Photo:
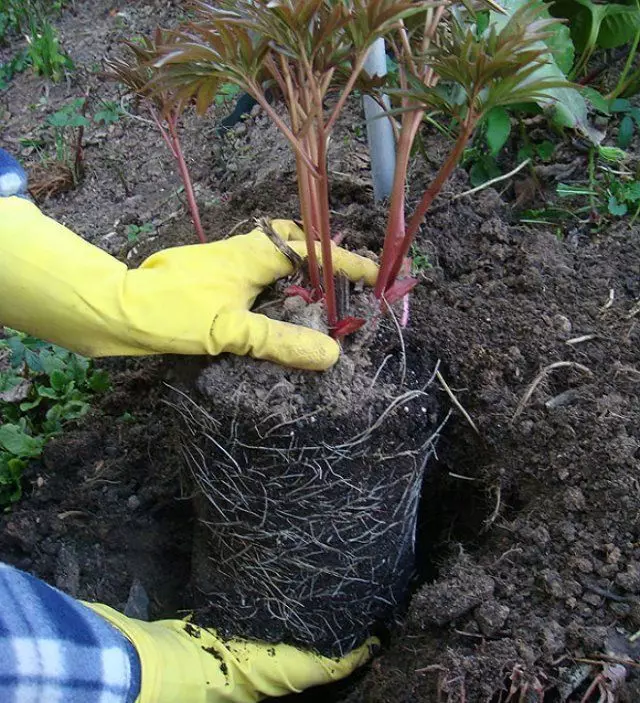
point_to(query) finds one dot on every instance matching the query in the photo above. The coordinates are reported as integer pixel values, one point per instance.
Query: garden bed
(528, 542)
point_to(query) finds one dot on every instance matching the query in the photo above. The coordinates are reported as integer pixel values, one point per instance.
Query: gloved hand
(190, 664)
(187, 300)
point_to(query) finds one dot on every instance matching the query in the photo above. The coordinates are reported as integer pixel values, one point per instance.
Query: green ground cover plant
(43, 388)
(134, 231)
(32, 19)
(67, 125)
(590, 27)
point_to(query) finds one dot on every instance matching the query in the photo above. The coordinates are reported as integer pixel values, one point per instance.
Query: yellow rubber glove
(186, 663)
(187, 300)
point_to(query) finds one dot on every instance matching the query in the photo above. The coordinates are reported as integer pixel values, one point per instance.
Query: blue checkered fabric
(53, 649)
(13, 179)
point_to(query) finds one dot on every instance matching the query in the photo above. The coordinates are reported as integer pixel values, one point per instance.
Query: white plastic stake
(382, 148)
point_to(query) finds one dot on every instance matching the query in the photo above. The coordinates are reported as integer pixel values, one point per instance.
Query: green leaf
(613, 154)
(604, 25)
(525, 152)
(99, 381)
(561, 46)
(545, 150)
(8, 380)
(565, 190)
(33, 361)
(620, 105)
(631, 191)
(619, 25)
(483, 170)
(625, 132)
(52, 360)
(78, 121)
(482, 22)
(615, 208)
(46, 392)
(226, 92)
(565, 106)
(58, 119)
(596, 99)
(11, 470)
(17, 349)
(30, 405)
(59, 380)
(73, 410)
(19, 443)
(77, 368)
(498, 128)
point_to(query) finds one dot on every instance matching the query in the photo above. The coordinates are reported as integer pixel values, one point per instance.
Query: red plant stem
(432, 192)
(305, 180)
(396, 224)
(163, 131)
(325, 231)
(186, 177)
(79, 158)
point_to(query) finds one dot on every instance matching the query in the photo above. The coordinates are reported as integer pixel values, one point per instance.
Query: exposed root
(403, 350)
(456, 402)
(496, 510)
(540, 377)
(299, 539)
(49, 179)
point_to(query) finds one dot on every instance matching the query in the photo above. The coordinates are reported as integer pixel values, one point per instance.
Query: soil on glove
(529, 547)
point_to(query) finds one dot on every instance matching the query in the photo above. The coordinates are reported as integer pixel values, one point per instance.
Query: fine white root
(540, 377)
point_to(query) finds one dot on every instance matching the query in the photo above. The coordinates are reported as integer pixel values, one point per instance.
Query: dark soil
(529, 544)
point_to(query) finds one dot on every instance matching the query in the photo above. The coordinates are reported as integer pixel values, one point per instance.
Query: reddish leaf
(347, 326)
(399, 289)
(301, 292)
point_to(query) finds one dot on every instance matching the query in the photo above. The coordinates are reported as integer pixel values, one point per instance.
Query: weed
(537, 150)
(623, 196)
(109, 113)
(420, 262)
(126, 417)
(612, 191)
(37, 143)
(44, 50)
(226, 93)
(134, 231)
(18, 63)
(14, 16)
(42, 388)
(68, 126)
(600, 25)
(630, 120)
(482, 165)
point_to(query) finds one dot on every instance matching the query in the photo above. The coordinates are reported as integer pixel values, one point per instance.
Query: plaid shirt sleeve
(53, 649)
